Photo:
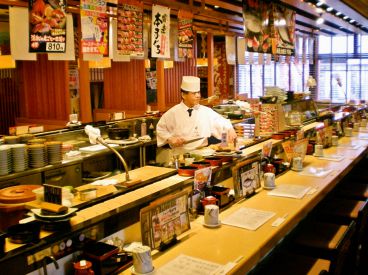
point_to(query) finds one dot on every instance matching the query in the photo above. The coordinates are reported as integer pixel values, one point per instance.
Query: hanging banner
(95, 26)
(284, 30)
(160, 36)
(47, 26)
(185, 34)
(256, 15)
(130, 28)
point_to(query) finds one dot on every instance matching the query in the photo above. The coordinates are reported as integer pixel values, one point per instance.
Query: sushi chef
(190, 120)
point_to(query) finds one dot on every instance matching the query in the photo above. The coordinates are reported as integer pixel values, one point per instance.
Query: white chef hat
(190, 84)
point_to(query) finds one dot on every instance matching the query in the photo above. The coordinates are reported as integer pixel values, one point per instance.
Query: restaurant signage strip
(160, 36)
(269, 27)
(47, 26)
(95, 26)
(185, 34)
(130, 28)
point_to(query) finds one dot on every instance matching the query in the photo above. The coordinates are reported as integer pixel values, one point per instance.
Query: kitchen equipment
(12, 201)
(24, 233)
(192, 140)
(118, 133)
(222, 194)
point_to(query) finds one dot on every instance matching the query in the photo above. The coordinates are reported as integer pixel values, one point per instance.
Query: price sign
(55, 47)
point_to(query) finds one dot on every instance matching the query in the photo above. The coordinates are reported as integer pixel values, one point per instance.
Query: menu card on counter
(186, 265)
(248, 218)
(318, 172)
(289, 191)
(164, 219)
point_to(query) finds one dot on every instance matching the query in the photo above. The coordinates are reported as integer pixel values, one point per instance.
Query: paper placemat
(349, 146)
(289, 191)
(248, 218)
(363, 136)
(315, 172)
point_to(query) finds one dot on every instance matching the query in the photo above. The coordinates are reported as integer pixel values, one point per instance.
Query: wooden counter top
(228, 244)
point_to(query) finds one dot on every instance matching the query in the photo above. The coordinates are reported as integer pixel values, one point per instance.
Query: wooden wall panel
(173, 78)
(9, 100)
(44, 89)
(125, 86)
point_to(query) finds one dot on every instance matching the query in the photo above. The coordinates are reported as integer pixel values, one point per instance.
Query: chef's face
(191, 98)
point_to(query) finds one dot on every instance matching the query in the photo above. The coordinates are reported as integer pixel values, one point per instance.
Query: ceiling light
(216, 7)
(320, 3)
(346, 17)
(338, 13)
(352, 21)
(329, 9)
(320, 21)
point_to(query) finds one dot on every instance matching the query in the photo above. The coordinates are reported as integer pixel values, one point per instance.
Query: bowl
(187, 171)
(214, 161)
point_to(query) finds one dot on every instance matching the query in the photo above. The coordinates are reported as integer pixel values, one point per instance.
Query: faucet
(45, 261)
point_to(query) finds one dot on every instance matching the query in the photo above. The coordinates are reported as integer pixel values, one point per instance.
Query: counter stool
(353, 191)
(325, 240)
(284, 263)
(343, 211)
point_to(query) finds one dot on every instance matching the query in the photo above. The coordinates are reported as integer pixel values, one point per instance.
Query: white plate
(137, 273)
(37, 212)
(212, 225)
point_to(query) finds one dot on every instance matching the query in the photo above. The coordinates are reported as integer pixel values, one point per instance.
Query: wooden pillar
(84, 92)
(161, 97)
(210, 58)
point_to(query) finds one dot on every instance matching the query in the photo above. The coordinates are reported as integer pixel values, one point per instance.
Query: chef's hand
(176, 141)
(231, 135)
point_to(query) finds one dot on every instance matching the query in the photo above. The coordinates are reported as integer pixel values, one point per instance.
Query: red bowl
(214, 161)
(278, 136)
(201, 164)
(187, 171)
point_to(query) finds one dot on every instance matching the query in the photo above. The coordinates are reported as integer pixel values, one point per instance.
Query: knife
(192, 140)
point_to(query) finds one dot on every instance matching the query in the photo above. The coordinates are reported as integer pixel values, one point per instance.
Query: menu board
(185, 34)
(47, 30)
(130, 28)
(284, 30)
(95, 27)
(246, 177)
(164, 220)
(256, 15)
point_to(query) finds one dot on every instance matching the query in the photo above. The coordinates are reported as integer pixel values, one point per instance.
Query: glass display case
(300, 112)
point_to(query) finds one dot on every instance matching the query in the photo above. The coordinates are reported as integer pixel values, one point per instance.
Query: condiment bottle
(143, 128)
(83, 267)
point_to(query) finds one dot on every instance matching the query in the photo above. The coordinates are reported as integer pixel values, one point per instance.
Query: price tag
(55, 47)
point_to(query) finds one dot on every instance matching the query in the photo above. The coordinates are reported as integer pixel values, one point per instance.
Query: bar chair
(343, 211)
(285, 263)
(325, 240)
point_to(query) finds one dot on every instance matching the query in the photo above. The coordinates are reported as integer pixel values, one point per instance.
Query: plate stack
(54, 152)
(37, 155)
(11, 139)
(5, 160)
(24, 138)
(19, 157)
(36, 141)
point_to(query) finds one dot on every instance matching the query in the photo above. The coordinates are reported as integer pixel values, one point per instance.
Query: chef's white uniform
(204, 122)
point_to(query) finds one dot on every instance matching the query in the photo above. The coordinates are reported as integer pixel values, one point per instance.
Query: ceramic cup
(142, 259)
(318, 150)
(269, 180)
(297, 164)
(211, 215)
(348, 131)
(356, 127)
(335, 140)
